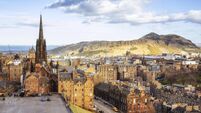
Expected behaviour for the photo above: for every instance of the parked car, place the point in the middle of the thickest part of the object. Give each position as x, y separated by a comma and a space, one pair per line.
115, 109
44, 98
101, 111
1, 94
2, 98
22, 93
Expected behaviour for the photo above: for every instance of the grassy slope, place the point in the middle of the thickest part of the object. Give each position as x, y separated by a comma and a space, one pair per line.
143, 48
76, 109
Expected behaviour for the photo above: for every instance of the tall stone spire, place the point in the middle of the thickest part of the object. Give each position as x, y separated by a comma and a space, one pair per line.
41, 28
41, 52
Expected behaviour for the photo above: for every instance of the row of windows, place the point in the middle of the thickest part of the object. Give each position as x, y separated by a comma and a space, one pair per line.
83, 100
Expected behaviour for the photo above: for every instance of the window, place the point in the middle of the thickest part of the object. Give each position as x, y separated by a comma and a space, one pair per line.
145, 100
134, 101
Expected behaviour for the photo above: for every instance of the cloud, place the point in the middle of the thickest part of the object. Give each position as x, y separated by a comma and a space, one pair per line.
27, 21
5, 26
122, 11
24, 24
16, 21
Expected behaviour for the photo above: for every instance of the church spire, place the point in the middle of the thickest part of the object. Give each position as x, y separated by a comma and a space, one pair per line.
41, 52
41, 28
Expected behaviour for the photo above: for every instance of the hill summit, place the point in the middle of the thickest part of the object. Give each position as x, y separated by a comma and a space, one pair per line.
150, 44
170, 39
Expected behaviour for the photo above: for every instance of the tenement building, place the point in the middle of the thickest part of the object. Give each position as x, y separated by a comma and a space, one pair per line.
127, 99
112, 72
11, 67
127, 71
107, 72
14, 68
3, 76
77, 87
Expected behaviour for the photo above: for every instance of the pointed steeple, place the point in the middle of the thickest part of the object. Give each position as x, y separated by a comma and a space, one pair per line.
41, 28
41, 52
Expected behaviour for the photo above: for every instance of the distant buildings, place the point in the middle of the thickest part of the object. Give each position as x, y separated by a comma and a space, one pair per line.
32, 55
15, 69
106, 72
113, 72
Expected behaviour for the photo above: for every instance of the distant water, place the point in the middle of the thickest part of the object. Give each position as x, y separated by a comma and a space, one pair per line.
20, 48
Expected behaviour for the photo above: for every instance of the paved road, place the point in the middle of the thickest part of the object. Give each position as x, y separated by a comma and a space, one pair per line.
101, 106
33, 105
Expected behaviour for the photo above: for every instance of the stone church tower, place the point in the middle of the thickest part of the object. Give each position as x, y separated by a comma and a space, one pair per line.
41, 52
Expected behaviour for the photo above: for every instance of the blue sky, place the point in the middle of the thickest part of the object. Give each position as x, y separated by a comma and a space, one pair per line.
72, 21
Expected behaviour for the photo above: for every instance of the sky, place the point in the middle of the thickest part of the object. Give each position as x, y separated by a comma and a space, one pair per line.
72, 21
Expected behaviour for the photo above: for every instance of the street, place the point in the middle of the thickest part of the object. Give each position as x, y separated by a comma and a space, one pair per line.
101, 106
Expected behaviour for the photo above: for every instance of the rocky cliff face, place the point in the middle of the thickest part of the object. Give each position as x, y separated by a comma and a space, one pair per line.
151, 43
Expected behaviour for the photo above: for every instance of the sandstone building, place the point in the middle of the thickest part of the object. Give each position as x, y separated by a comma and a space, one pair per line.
37, 82
14, 68
107, 73
125, 98
112, 72
77, 88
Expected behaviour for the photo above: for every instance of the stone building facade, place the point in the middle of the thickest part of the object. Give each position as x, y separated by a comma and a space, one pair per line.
106, 72
37, 82
127, 72
13, 68
15, 72
3, 75
77, 88
110, 72
127, 100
